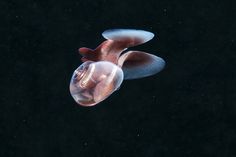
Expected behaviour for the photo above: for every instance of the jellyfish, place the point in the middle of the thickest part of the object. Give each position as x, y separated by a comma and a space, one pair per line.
104, 68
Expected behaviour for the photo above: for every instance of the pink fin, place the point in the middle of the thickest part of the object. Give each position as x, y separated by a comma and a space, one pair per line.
118, 41
88, 54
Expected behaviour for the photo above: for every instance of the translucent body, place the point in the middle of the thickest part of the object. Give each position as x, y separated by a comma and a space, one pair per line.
105, 67
92, 82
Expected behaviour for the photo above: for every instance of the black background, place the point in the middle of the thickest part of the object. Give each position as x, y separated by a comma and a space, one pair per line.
186, 110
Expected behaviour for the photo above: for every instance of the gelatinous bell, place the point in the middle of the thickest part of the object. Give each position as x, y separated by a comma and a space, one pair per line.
92, 82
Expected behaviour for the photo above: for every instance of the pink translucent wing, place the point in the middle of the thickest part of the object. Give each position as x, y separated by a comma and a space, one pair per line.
137, 64
131, 37
117, 41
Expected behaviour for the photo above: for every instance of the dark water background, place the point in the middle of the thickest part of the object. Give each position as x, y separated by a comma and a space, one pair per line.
187, 110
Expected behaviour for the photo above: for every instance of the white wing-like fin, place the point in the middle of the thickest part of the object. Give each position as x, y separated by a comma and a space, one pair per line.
137, 64
132, 37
